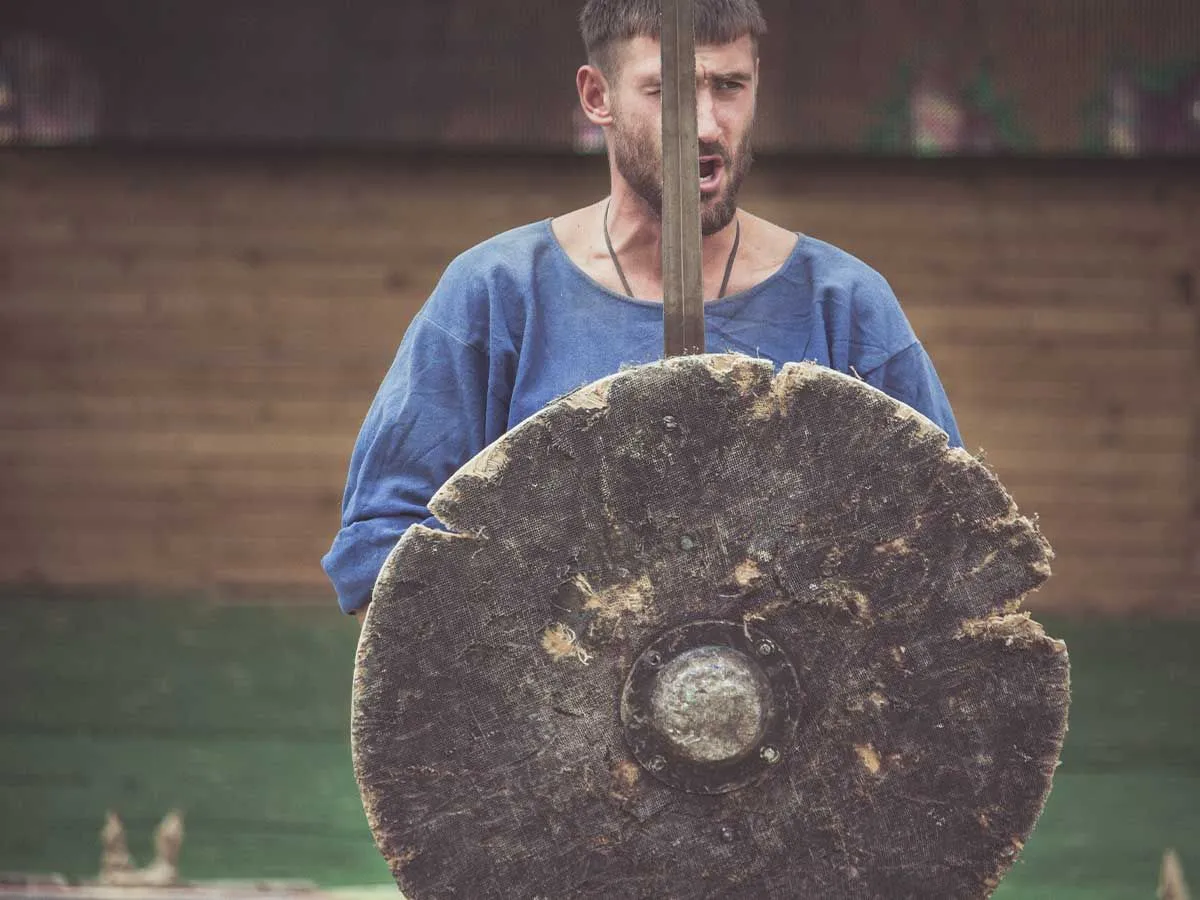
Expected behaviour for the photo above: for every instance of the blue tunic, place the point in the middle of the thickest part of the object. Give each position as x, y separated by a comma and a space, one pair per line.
514, 323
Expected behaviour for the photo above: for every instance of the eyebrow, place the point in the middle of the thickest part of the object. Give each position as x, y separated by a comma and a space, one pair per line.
730, 76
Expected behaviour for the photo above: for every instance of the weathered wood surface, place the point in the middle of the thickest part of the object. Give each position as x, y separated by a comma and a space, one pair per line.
888, 568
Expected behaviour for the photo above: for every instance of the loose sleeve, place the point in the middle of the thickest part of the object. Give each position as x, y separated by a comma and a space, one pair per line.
882, 348
427, 419
909, 376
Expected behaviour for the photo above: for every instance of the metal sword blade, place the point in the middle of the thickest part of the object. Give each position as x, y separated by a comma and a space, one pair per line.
683, 301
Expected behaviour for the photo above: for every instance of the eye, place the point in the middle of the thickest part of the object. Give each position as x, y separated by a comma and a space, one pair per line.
729, 87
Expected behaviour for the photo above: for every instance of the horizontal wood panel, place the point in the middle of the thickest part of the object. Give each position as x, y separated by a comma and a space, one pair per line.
249, 319
170, 561
219, 446
352, 380
86, 271
283, 357
354, 376
1103, 424
895, 204
206, 412
978, 389
187, 350
978, 255
71, 494
1099, 468
1139, 307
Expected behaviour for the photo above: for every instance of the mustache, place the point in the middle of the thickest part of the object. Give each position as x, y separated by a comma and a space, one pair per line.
709, 148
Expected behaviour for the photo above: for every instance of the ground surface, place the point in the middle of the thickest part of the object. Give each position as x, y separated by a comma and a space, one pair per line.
239, 716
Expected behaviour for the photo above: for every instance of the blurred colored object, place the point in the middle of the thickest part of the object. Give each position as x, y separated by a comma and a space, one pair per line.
1161, 106
9, 122
934, 113
1171, 884
48, 96
1144, 109
937, 118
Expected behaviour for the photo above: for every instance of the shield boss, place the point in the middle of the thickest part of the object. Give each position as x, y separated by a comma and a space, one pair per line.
701, 630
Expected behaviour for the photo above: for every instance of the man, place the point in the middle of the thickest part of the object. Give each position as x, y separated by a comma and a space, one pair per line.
531, 314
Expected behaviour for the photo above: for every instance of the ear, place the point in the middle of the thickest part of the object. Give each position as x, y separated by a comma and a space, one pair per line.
594, 95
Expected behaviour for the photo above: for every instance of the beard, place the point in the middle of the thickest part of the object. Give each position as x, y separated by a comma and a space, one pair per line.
635, 154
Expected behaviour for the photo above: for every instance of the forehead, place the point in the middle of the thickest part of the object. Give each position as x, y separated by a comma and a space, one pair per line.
641, 57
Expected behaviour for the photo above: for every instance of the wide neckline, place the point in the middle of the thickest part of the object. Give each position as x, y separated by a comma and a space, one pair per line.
730, 300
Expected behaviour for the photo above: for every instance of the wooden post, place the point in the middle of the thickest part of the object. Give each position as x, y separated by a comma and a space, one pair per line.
683, 299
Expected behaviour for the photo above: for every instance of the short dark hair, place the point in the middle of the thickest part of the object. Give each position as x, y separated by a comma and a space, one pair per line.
604, 23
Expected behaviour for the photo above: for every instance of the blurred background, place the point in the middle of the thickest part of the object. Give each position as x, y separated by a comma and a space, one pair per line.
217, 219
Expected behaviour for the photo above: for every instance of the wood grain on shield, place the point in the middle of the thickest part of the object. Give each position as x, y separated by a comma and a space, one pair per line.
888, 567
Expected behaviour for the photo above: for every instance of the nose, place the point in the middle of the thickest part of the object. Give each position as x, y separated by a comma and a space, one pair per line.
707, 128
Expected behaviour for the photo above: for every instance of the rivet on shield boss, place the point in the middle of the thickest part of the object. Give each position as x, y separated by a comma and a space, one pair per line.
702, 629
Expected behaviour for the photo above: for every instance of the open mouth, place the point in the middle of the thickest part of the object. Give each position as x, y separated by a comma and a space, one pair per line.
710, 172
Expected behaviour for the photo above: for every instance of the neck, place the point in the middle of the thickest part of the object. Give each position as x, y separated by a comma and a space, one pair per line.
636, 233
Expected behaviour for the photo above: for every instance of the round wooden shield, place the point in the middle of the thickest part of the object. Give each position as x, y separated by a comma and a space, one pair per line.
704, 630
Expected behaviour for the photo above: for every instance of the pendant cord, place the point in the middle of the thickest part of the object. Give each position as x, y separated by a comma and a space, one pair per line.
737, 240
612, 254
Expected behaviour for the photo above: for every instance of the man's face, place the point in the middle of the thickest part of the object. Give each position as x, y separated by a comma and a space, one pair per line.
727, 82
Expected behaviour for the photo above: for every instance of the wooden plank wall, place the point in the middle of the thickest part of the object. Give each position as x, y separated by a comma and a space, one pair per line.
188, 345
